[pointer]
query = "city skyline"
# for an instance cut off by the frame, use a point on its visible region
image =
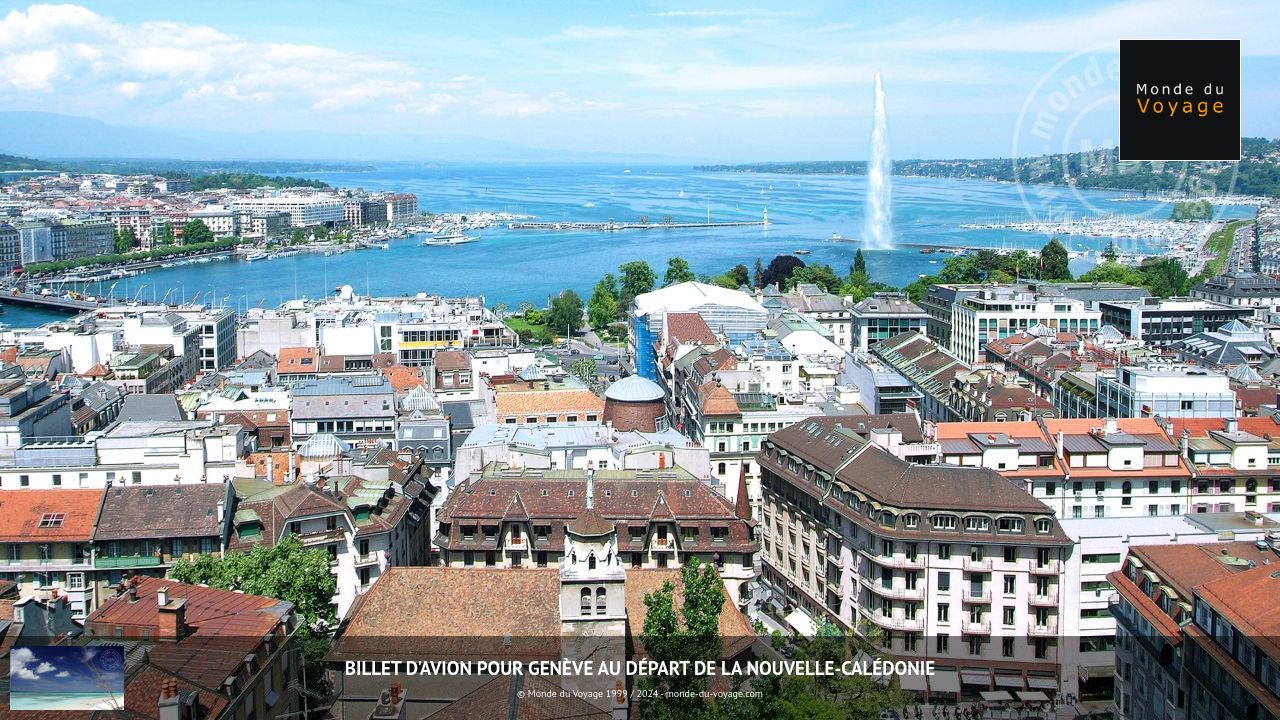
(711, 82)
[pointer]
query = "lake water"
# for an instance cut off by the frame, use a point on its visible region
(514, 265)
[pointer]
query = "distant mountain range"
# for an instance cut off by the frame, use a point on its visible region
(52, 136)
(1258, 172)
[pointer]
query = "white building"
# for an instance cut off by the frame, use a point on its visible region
(997, 312)
(1164, 390)
(304, 210)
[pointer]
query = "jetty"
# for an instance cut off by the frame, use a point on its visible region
(53, 302)
(614, 226)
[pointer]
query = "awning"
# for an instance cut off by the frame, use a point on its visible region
(1014, 681)
(996, 696)
(911, 682)
(975, 677)
(1033, 696)
(801, 623)
(1045, 683)
(944, 681)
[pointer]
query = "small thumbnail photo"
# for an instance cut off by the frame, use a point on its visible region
(67, 678)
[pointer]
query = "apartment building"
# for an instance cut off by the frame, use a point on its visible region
(996, 312)
(1255, 291)
(366, 523)
(401, 207)
(352, 408)
(951, 563)
(10, 248)
(203, 652)
(1195, 629)
(1163, 390)
(517, 517)
(47, 537)
(1235, 463)
(304, 210)
(815, 304)
(30, 410)
(930, 368)
(882, 316)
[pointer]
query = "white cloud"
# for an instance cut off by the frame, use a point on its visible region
(129, 89)
(19, 660)
(62, 674)
(44, 667)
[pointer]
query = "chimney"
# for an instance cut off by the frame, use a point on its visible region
(1058, 449)
(1232, 424)
(391, 704)
(1185, 443)
(170, 705)
(173, 620)
(591, 487)
(133, 594)
(162, 595)
(1110, 426)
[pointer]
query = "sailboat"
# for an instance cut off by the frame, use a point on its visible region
(681, 192)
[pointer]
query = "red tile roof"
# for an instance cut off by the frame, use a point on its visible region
(1200, 427)
(298, 360)
(684, 328)
(452, 360)
(60, 515)
(402, 378)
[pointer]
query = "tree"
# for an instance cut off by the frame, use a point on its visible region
(821, 275)
(1110, 254)
(859, 262)
(501, 310)
(677, 272)
(523, 308)
(838, 695)
(757, 274)
(1054, 261)
(565, 313)
(286, 571)
(297, 236)
(166, 235)
(196, 232)
(666, 639)
(602, 308)
(1165, 277)
(637, 279)
(584, 368)
(1113, 272)
(125, 241)
(321, 232)
(779, 271)
(739, 275)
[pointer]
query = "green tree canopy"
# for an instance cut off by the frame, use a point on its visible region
(637, 278)
(677, 272)
(125, 241)
(1054, 261)
(779, 271)
(565, 313)
(859, 262)
(821, 275)
(196, 232)
(602, 308)
(739, 275)
(667, 639)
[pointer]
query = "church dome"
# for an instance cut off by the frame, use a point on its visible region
(634, 389)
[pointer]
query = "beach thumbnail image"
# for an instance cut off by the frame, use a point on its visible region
(67, 678)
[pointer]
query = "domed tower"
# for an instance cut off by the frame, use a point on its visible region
(635, 403)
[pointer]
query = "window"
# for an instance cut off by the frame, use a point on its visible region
(1010, 584)
(57, 480)
(1010, 554)
(490, 558)
(944, 613)
(601, 603)
(24, 481)
(542, 559)
(944, 581)
(1011, 525)
(944, 551)
(51, 520)
(1008, 617)
(941, 644)
(1006, 645)
(585, 602)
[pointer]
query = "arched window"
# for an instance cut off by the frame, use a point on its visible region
(1126, 488)
(1251, 485)
(600, 601)
(591, 561)
(586, 601)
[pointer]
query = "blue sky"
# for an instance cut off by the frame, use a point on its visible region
(688, 80)
(55, 669)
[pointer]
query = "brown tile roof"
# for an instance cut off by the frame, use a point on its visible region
(1183, 566)
(279, 467)
(589, 523)
(549, 402)
(1200, 427)
(298, 360)
(402, 378)
(1248, 600)
(142, 694)
(224, 626)
(687, 328)
(22, 512)
(456, 613)
(98, 371)
(160, 512)
(520, 697)
(452, 360)
(717, 400)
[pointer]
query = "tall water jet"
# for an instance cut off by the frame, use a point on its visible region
(877, 234)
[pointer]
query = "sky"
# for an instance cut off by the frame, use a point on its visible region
(53, 670)
(683, 80)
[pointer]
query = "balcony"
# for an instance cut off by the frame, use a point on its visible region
(50, 564)
(128, 561)
(897, 623)
(896, 593)
(893, 561)
(977, 596)
(1043, 600)
(970, 627)
(1052, 567)
(324, 537)
(517, 543)
(663, 544)
(972, 565)
(1048, 628)
(367, 559)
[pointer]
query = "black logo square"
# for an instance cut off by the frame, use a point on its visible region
(1179, 99)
